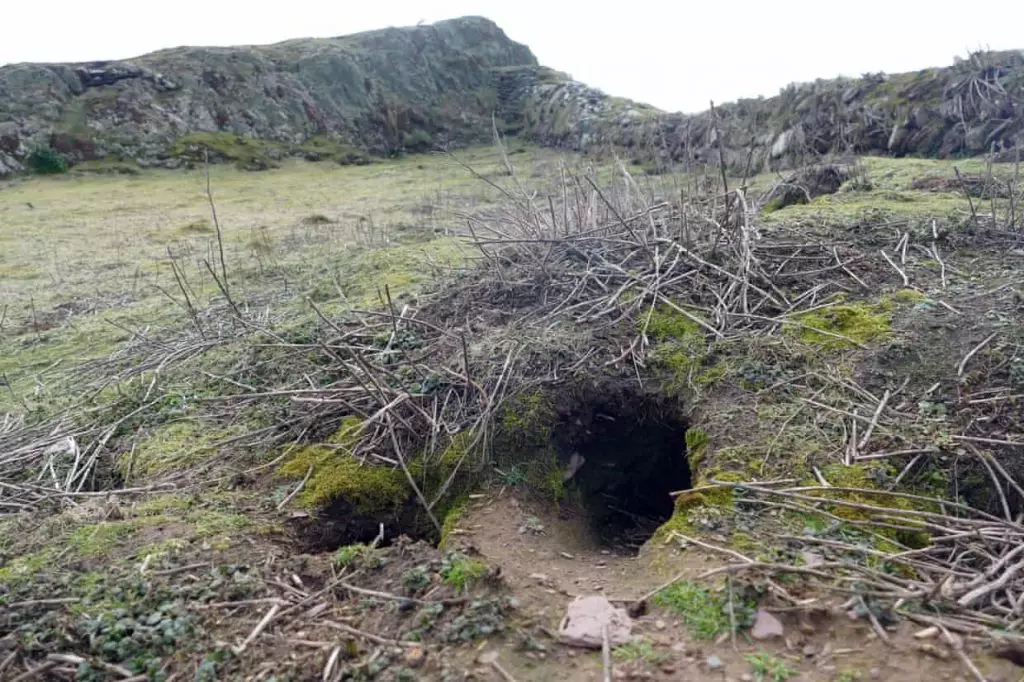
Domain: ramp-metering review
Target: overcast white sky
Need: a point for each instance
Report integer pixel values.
(675, 55)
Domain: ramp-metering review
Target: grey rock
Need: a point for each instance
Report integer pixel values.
(587, 617)
(766, 626)
(713, 662)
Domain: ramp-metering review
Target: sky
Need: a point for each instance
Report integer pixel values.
(675, 55)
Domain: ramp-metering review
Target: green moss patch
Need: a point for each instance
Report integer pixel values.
(336, 474)
(857, 323)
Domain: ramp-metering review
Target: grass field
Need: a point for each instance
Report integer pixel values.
(86, 260)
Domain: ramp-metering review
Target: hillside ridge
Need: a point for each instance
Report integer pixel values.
(397, 90)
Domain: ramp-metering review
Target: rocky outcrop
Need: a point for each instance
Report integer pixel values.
(375, 91)
(973, 107)
(410, 89)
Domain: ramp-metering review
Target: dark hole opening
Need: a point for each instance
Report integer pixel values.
(625, 451)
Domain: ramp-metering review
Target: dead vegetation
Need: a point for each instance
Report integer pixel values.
(392, 414)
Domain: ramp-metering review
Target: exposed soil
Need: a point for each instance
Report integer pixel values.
(547, 559)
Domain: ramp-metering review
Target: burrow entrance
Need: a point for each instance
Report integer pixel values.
(621, 450)
(624, 452)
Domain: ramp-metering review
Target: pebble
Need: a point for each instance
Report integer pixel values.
(747, 677)
(714, 663)
(660, 624)
(415, 656)
(566, 555)
(810, 650)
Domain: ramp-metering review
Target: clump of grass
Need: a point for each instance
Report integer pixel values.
(640, 650)
(350, 554)
(316, 219)
(704, 613)
(769, 668)
(459, 571)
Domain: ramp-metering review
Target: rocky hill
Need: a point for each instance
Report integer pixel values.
(411, 89)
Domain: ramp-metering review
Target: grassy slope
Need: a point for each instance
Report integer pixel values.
(86, 237)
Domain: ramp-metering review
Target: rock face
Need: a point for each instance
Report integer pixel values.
(973, 107)
(374, 91)
(411, 89)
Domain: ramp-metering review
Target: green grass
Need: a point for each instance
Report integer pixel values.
(768, 668)
(704, 613)
(640, 650)
(459, 571)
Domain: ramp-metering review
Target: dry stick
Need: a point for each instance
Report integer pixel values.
(297, 490)
(216, 223)
(963, 187)
(376, 639)
(606, 653)
(35, 672)
(410, 478)
(331, 661)
(906, 281)
(260, 627)
(875, 625)
(973, 351)
(721, 162)
(957, 647)
(874, 420)
(223, 288)
(395, 597)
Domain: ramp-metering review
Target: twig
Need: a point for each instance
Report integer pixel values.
(296, 490)
(260, 627)
(890, 261)
(369, 636)
(973, 351)
(606, 653)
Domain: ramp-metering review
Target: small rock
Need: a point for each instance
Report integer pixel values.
(747, 677)
(660, 624)
(668, 668)
(875, 673)
(927, 633)
(566, 555)
(810, 650)
(415, 656)
(585, 619)
(540, 578)
(714, 663)
(766, 626)
(679, 647)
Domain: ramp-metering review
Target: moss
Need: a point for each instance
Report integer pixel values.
(98, 539)
(681, 350)
(860, 322)
(173, 446)
(243, 150)
(25, 568)
(665, 323)
(336, 474)
(908, 296)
